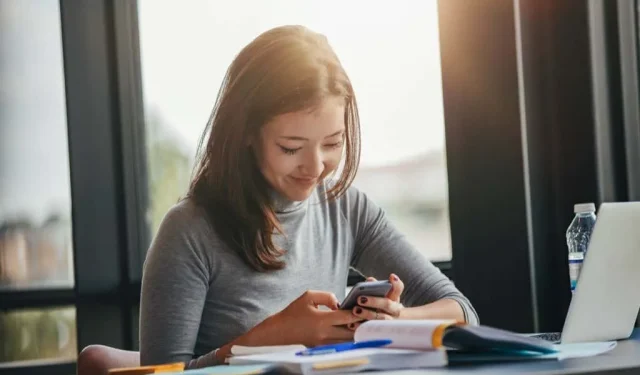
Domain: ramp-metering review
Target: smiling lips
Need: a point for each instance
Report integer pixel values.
(304, 181)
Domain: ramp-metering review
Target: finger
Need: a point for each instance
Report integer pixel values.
(381, 304)
(354, 326)
(371, 279)
(340, 317)
(367, 314)
(397, 287)
(339, 334)
(320, 298)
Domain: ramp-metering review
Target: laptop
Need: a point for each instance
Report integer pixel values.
(606, 300)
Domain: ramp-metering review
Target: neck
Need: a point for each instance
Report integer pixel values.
(282, 204)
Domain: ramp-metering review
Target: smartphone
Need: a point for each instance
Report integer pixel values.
(365, 288)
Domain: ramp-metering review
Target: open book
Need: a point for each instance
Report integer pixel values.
(447, 334)
(465, 343)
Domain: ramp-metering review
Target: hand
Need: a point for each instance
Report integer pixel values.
(302, 322)
(380, 308)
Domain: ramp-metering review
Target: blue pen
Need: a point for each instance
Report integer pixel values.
(326, 349)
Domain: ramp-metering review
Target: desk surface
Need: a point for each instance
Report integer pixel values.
(623, 359)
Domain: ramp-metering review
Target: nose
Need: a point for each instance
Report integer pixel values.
(313, 165)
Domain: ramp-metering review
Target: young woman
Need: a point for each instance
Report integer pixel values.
(259, 251)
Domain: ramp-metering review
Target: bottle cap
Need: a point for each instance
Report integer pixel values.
(584, 207)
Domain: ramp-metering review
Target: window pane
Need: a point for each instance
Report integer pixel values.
(35, 203)
(391, 53)
(29, 335)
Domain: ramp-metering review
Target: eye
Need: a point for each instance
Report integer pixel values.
(334, 145)
(289, 151)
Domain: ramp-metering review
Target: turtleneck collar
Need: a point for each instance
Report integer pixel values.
(282, 204)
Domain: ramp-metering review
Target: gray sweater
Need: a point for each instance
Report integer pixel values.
(198, 295)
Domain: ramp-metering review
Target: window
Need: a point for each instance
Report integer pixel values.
(390, 51)
(35, 334)
(35, 203)
(35, 198)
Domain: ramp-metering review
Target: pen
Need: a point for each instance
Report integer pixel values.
(326, 349)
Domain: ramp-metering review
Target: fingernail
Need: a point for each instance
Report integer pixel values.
(358, 310)
(363, 299)
(394, 277)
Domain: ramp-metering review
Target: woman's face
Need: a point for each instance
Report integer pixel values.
(299, 149)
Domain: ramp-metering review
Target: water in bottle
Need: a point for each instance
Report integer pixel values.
(578, 237)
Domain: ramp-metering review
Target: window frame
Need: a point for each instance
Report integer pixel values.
(41, 368)
(629, 37)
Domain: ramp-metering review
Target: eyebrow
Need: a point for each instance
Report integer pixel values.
(296, 138)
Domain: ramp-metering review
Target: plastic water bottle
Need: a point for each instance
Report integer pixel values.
(578, 237)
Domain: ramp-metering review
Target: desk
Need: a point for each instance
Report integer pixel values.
(623, 359)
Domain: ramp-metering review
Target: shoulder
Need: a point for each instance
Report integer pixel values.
(186, 209)
(185, 219)
(185, 232)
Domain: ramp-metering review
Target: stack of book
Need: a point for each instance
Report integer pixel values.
(402, 344)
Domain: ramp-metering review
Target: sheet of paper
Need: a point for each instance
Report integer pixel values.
(586, 349)
(406, 334)
(291, 357)
(565, 351)
(248, 350)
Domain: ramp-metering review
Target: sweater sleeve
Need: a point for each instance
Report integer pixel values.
(175, 282)
(380, 249)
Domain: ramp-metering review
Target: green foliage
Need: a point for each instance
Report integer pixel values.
(38, 334)
(169, 169)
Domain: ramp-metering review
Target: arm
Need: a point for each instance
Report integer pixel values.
(301, 322)
(175, 282)
(380, 250)
(176, 278)
(445, 308)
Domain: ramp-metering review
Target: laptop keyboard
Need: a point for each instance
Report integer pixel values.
(548, 336)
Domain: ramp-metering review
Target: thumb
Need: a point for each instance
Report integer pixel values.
(397, 286)
(320, 298)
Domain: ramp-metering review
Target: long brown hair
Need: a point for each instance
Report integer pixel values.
(285, 69)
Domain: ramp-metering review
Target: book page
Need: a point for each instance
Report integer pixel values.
(368, 353)
(248, 350)
(405, 334)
